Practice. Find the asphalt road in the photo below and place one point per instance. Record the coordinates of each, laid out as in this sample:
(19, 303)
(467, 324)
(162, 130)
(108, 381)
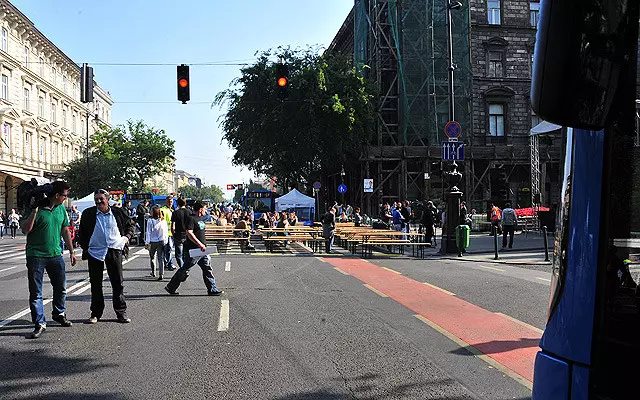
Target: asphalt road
(297, 328)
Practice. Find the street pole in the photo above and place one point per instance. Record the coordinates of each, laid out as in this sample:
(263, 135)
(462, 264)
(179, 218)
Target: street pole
(449, 5)
(87, 151)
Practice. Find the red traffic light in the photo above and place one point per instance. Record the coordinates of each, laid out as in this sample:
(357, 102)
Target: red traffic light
(183, 83)
(282, 82)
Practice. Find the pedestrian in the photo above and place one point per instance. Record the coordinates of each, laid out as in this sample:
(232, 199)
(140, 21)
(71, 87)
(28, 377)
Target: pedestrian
(196, 240)
(496, 216)
(178, 222)
(509, 222)
(43, 227)
(429, 218)
(156, 237)
(14, 222)
(405, 211)
(3, 223)
(167, 214)
(464, 214)
(293, 219)
(127, 208)
(357, 218)
(142, 214)
(105, 233)
(328, 228)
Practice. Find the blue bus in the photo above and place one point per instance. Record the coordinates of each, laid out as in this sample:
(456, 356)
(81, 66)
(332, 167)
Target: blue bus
(260, 201)
(585, 78)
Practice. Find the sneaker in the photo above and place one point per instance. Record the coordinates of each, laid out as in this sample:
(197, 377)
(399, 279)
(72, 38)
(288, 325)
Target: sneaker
(170, 292)
(216, 293)
(160, 277)
(37, 332)
(152, 274)
(62, 320)
(92, 320)
(123, 319)
(170, 268)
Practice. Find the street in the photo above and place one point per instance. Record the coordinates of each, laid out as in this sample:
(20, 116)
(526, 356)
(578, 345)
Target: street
(287, 327)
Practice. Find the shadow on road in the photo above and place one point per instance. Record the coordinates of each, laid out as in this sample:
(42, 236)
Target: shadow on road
(497, 346)
(24, 371)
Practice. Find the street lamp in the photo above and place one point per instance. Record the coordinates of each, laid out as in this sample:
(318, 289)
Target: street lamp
(342, 182)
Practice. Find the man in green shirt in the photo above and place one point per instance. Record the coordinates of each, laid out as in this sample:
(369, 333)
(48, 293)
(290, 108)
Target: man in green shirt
(167, 211)
(43, 228)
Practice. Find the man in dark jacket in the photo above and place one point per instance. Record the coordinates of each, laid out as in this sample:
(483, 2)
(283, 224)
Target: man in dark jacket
(142, 213)
(105, 233)
(429, 218)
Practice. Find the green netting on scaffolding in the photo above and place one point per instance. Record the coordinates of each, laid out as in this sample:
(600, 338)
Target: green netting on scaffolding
(360, 33)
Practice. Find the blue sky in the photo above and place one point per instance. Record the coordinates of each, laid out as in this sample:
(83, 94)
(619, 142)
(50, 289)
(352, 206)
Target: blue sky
(175, 32)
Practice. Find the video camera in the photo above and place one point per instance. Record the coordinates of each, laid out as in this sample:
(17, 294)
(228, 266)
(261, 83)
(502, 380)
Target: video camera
(32, 195)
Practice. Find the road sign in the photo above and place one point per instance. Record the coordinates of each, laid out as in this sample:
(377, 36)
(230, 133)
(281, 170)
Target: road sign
(368, 185)
(230, 186)
(342, 188)
(453, 130)
(452, 151)
(317, 185)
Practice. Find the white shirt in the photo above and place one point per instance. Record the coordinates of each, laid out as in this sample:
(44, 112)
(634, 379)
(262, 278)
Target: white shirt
(105, 236)
(157, 231)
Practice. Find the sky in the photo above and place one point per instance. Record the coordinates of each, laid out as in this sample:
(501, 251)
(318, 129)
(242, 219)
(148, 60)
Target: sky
(176, 32)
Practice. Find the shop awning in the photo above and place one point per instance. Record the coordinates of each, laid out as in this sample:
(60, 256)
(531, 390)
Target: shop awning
(27, 177)
(544, 127)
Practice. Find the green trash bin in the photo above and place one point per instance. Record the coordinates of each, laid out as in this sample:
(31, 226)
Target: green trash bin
(462, 236)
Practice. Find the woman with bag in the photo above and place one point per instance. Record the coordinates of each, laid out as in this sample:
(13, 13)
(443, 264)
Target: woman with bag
(156, 237)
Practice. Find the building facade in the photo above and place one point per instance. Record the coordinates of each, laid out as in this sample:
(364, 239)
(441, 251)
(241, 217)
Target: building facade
(43, 124)
(403, 43)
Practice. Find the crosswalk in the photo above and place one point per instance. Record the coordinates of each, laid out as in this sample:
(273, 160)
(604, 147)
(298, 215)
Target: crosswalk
(11, 255)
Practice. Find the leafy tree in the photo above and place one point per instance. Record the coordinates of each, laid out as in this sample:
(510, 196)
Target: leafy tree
(213, 193)
(326, 121)
(123, 157)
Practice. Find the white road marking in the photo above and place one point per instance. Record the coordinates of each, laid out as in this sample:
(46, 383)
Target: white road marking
(223, 323)
(517, 321)
(376, 291)
(82, 289)
(20, 257)
(492, 268)
(227, 266)
(7, 269)
(439, 288)
(543, 279)
(141, 252)
(20, 314)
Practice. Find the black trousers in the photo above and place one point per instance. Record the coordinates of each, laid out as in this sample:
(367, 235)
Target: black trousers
(508, 229)
(113, 262)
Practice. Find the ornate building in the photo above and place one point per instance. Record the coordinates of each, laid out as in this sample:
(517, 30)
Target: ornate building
(43, 125)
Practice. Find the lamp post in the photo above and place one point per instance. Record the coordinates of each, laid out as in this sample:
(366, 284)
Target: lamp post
(342, 182)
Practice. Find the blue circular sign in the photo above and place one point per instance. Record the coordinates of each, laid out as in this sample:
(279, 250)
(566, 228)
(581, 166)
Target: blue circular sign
(453, 130)
(342, 188)
(317, 185)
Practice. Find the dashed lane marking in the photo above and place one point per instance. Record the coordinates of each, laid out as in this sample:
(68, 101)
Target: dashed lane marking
(492, 268)
(439, 288)
(392, 270)
(341, 271)
(517, 321)
(379, 293)
(543, 279)
(227, 266)
(223, 323)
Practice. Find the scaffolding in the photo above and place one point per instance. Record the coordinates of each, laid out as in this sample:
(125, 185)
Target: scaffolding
(402, 46)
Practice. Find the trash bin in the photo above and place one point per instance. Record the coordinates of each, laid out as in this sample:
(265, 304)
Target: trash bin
(462, 236)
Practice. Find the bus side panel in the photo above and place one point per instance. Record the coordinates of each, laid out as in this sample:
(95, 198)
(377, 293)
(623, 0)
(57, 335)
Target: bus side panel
(569, 331)
(551, 378)
(579, 383)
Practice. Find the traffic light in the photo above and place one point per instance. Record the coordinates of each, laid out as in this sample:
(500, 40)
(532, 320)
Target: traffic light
(183, 83)
(282, 80)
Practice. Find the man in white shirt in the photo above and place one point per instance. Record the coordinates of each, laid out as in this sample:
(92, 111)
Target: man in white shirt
(104, 237)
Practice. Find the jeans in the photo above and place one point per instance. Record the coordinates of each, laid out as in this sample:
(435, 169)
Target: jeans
(156, 250)
(113, 262)
(179, 246)
(168, 253)
(57, 275)
(182, 273)
(508, 229)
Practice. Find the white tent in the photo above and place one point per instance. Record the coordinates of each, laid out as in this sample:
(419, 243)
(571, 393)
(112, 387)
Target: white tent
(86, 202)
(294, 199)
(544, 127)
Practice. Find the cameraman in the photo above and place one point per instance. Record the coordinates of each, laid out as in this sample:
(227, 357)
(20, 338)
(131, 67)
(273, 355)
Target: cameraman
(43, 228)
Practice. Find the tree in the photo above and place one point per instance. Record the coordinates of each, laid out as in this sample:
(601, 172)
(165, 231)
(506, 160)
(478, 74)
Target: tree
(213, 193)
(122, 157)
(326, 121)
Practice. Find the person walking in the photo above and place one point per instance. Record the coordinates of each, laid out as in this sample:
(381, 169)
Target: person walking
(509, 222)
(178, 222)
(328, 228)
(105, 233)
(496, 216)
(156, 237)
(43, 228)
(14, 222)
(196, 239)
(142, 214)
(429, 218)
(167, 213)
(3, 224)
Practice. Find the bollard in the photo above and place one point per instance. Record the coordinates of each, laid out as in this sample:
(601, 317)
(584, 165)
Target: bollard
(495, 242)
(546, 245)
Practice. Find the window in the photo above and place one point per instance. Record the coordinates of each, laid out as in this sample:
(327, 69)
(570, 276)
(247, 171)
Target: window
(76, 152)
(496, 120)
(534, 10)
(66, 153)
(41, 106)
(54, 76)
(5, 39)
(53, 112)
(26, 98)
(64, 117)
(41, 66)
(73, 122)
(5, 87)
(64, 84)
(27, 145)
(74, 94)
(26, 57)
(42, 143)
(6, 136)
(535, 119)
(493, 12)
(495, 66)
